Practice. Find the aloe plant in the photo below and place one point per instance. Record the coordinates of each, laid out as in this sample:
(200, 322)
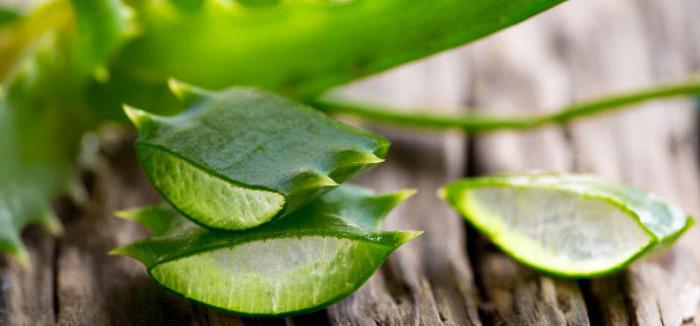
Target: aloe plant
(313, 258)
(238, 158)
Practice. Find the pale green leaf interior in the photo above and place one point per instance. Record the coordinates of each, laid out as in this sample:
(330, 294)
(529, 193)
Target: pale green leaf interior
(273, 276)
(229, 206)
(560, 231)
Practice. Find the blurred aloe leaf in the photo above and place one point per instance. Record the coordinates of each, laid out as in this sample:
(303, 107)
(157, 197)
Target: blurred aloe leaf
(316, 256)
(8, 14)
(43, 113)
(18, 33)
(31, 172)
(304, 47)
(241, 157)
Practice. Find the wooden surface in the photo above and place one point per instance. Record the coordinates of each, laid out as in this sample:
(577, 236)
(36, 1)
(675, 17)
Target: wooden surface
(451, 275)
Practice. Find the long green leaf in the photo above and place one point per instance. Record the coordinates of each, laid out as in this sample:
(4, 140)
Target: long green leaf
(334, 103)
(303, 47)
(316, 256)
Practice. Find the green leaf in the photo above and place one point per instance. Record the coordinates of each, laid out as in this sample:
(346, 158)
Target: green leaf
(19, 34)
(32, 171)
(336, 103)
(42, 113)
(239, 158)
(102, 27)
(301, 263)
(304, 47)
(359, 205)
(567, 225)
(83, 34)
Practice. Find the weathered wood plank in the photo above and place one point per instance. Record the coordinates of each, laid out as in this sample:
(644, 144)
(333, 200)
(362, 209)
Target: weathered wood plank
(429, 281)
(27, 295)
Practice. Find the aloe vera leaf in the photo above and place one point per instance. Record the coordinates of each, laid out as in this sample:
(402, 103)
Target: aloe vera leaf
(293, 265)
(18, 34)
(239, 158)
(39, 148)
(83, 33)
(359, 205)
(103, 27)
(304, 47)
(566, 224)
(30, 173)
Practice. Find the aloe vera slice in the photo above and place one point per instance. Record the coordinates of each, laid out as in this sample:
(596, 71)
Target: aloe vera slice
(238, 158)
(325, 252)
(565, 224)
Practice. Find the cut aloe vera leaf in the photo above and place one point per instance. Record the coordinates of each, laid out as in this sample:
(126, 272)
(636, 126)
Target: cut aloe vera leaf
(239, 158)
(564, 224)
(289, 266)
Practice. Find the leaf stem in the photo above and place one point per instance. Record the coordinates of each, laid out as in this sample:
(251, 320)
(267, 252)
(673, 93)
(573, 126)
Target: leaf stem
(482, 123)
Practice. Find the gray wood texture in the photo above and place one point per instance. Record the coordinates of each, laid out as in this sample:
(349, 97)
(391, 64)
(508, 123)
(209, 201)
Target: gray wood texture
(451, 275)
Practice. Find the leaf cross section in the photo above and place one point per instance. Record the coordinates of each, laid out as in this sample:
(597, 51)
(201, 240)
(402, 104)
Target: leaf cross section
(239, 158)
(315, 257)
(566, 224)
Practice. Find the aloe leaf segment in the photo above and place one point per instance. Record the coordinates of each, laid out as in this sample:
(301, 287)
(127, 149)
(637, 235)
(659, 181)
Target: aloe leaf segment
(239, 158)
(297, 264)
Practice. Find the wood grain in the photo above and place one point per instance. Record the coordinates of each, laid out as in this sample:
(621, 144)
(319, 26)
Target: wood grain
(27, 296)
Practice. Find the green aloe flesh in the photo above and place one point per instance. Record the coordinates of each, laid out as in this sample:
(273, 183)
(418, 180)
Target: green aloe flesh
(565, 224)
(238, 158)
(304, 47)
(323, 253)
